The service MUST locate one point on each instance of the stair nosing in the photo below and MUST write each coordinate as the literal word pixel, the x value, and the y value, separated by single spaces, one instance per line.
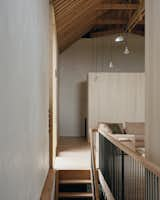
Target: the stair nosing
pixel 75 194
pixel 77 181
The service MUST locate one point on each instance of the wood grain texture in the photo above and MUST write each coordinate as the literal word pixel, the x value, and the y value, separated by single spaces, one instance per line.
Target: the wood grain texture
pixel 105 187
pixel 152 60
pixel 73 154
pixel 76 18
pixel 115 98
pixel 75 195
pixel 48 189
pixel 94 170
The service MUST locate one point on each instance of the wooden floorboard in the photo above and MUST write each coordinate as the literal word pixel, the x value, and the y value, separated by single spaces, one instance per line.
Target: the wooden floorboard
pixel 73 154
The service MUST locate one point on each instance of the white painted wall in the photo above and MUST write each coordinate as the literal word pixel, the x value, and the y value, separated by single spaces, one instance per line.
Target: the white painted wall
pixel 24 102
pixel 152 59
pixel 53 80
pixel 90 55
pixel 116 98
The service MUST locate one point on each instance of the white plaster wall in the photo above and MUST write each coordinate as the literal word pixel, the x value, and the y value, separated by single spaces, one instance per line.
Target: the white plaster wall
pixel 90 55
pixel 53 79
pixel 24 102
pixel 152 60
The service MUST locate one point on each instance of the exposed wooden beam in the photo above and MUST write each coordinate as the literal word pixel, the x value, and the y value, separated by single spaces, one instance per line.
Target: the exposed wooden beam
pixel 137 16
pixel 118 6
pixel 114 21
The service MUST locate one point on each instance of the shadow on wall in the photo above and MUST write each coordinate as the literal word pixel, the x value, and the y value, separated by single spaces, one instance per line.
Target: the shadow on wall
pixel 82 107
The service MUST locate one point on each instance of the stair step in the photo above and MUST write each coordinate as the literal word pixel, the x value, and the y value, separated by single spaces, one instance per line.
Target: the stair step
pixel 74 174
pixel 75 195
pixel 75 181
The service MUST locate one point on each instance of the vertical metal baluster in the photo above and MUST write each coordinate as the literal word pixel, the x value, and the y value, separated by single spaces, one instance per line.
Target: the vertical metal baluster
pixel 143 182
pixel 150 196
pixel 153 182
pixel 122 160
pixel 116 163
pixel 146 179
pixel 151 185
pixel 147 189
pixel 130 180
pixel 134 178
pixel 158 188
pixel 131 176
pixel 138 182
pixel 137 177
pixel 148 186
pixel 113 171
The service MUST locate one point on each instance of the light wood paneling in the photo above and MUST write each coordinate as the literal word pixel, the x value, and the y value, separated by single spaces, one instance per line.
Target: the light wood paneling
pixel 115 98
pixel 152 59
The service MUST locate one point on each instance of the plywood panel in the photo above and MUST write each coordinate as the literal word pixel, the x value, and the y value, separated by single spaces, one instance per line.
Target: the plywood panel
pixel 152 80
pixel 115 97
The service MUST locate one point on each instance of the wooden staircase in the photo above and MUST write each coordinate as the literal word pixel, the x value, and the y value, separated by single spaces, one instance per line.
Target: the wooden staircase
pixel 74 184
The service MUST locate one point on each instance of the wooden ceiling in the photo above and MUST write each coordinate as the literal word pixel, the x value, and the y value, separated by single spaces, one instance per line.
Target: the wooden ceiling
pixel 95 18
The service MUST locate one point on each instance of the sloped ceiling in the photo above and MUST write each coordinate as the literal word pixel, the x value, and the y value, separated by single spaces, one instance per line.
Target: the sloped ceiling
pixel 94 18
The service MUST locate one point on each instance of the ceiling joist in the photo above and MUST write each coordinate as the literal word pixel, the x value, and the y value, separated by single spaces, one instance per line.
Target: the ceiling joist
pixel 137 17
pixel 94 18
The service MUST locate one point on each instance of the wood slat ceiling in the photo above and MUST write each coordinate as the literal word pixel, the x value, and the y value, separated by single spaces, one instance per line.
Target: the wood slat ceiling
pixel 94 18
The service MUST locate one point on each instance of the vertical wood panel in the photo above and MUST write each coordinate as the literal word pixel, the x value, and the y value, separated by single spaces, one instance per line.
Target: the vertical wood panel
pixel 115 97
pixel 152 80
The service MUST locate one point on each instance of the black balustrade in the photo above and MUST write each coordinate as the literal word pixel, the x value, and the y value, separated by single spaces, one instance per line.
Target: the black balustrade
pixel 127 178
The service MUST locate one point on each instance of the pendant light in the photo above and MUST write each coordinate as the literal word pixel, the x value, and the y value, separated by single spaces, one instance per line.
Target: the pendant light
pixel 119 38
pixel 126 49
pixel 111 65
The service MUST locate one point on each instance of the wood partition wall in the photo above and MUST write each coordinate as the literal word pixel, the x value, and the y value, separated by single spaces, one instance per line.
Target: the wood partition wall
pixel 115 98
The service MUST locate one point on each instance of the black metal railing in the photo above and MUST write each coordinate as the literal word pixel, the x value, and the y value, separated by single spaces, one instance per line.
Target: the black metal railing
pixel 126 174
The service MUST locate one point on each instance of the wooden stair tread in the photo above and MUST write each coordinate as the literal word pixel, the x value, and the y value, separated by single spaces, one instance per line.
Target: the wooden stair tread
pixel 76 181
pixel 74 174
pixel 75 194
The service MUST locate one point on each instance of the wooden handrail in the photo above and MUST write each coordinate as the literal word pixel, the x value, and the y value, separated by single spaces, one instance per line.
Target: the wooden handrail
pixel 95 175
pixel 144 161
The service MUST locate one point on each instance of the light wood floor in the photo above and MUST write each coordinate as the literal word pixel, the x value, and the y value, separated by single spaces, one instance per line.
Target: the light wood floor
pixel 73 153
